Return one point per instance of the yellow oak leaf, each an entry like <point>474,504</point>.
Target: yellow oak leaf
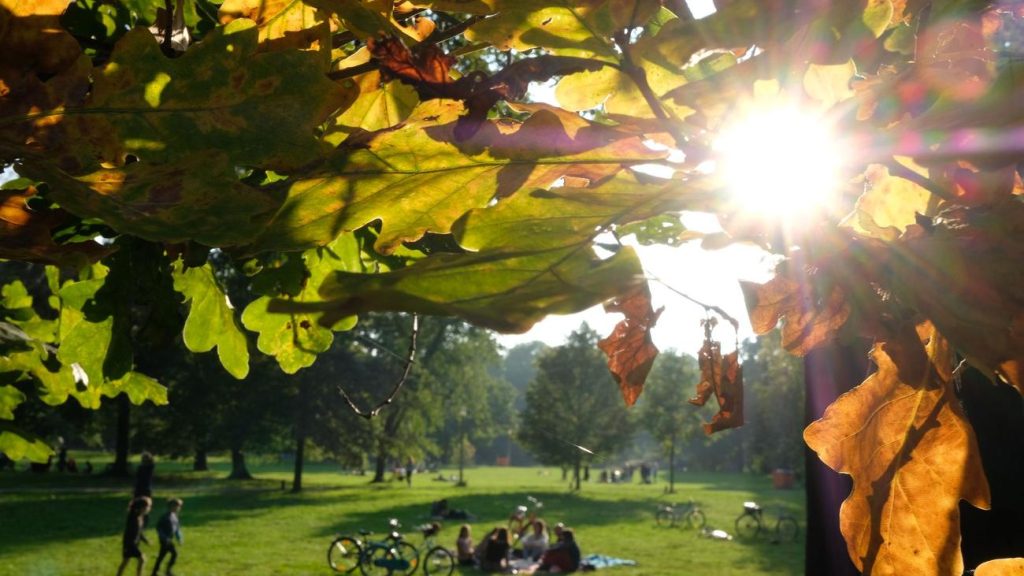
<point>903,438</point>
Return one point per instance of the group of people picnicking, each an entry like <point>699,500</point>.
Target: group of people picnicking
<point>168,527</point>
<point>523,547</point>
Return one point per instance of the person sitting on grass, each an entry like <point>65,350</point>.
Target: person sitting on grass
<point>535,542</point>
<point>168,529</point>
<point>493,551</point>
<point>563,557</point>
<point>464,546</point>
<point>133,524</point>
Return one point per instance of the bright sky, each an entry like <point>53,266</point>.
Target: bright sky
<point>708,276</point>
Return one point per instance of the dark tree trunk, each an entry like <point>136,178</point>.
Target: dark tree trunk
<point>378,475</point>
<point>199,462</point>
<point>300,452</point>
<point>124,412</point>
<point>576,475</point>
<point>672,464</point>
<point>239,471</point>
<point>996,413</point>
<point>828,372</point>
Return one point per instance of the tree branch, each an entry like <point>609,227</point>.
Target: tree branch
<point>409,361</point>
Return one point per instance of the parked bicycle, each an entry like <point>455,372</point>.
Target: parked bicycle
<point>751,524</point>
<point>689,514</point>
<point>385,557</point>
<point>438,559</point>
<point>391,555</point>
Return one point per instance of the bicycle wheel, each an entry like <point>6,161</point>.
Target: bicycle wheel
<point>343,555</point>
<point>665,517</point>
<point>748,526</point>
<point>377,560</point>
<point>786,529</point>
<point>407,558</point>
<point>439,561</point>
<point>695,519</point>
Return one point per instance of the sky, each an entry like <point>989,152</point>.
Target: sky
<point>708,276</point>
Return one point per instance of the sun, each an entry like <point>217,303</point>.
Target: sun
<point>779,162</point>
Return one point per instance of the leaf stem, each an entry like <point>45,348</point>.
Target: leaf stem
<point>901,171</point>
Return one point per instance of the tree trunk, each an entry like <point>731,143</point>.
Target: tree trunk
<point>300,452</point>
<point>672,464</point>
<point>239,471</point>
<point>828,372</point>
<point>124,412</point>
<point>378,475</point>
<point>199,462</point>
<point>576,474</point>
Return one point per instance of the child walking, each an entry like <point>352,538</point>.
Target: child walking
<point>133,524</point>
<point>168,529</point>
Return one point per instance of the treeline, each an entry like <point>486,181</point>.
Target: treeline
<point>552,405</point>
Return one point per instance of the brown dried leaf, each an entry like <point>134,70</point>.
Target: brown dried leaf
<point>955,273</point>
<point>912,456</point>
<point>709,359</point>
<point>26,234</point>
<point>629,348</point>
<point>31,37</point>
<point>429,64</point>
<point>729,394</point>
<point>808,320</point>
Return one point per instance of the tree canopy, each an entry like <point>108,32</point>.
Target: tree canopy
<point>357,156</point>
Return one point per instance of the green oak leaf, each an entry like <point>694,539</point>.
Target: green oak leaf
<point>262,109</point>
<point>417,179</point>
<point>505,290</point>
<point>661,57</point>
<point>86,332</point>
<point>211,318</point>
<point>56,382</point>
<point>10,398</point>
<point>563,216</point>
<point>18,444</point>
<point>563,27</point>
<point>146,9</point>
<point>139,388</point>
<point>377,107</point>
<point>198,197</point>
<point>295,339</point>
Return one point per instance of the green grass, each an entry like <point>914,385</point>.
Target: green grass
<point>70,525</point>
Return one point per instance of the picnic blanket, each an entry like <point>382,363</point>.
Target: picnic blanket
<point>601,561</point>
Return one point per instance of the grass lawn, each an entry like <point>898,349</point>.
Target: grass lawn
<point>67,525</point>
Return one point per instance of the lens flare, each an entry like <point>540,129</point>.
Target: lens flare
<point>780,163</point>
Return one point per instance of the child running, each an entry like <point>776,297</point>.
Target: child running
<point>134,522</point>
<point>168,529</point>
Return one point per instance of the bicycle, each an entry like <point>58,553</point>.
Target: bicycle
<point>345,552</point>
<point>386,557</point>
<point>438,559</point>
<point>750,524</point>
<point>689,513</point>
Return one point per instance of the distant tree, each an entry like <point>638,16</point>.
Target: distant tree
<point>573,403</point>
<point>664,408</point>
<point>774,380</point>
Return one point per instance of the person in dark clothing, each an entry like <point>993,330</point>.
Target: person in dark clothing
<point>494,551</point>
<point>562,557</point>
<point>144,476</point>
<point>133,524</point>
<point>168,530</point>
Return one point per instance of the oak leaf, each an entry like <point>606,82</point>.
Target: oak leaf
<point>282,23</point>
<point>1001,567</point>
<point>31,37</point>
<point>629,347</point>
<point>809,320</point>
<point>912,456</point>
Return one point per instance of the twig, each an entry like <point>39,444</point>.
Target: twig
<point>409,361</point>
<point>708,307</point>
<point>901,171</point>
